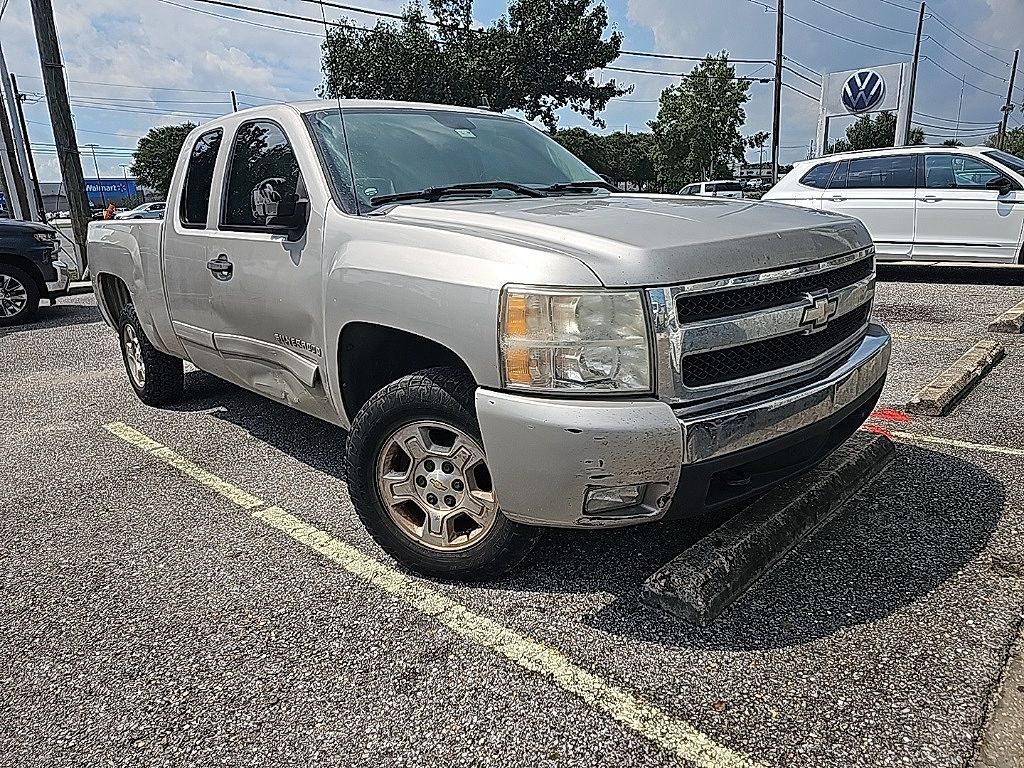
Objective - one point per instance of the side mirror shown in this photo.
(292, 217)
(1001, 183)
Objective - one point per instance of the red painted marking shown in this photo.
(878, 431)
(890, 414)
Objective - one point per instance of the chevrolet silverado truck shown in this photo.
(509, 343)
(30, 269)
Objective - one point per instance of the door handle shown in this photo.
(930, 199)
(837, 199)
(221, 268)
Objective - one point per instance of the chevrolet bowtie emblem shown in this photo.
(822, 309)
(438, 485)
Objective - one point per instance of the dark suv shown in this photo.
(30, 269)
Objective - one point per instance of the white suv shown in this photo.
(722, 188)
(921, 203)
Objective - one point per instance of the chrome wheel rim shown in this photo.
(133, 356)
(432, 479)
(13, 296)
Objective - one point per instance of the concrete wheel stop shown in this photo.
(703, 581)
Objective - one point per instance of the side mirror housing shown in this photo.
(292, 218)
(1001, 183)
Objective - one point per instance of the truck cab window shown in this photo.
(263, 173)
(195, 198)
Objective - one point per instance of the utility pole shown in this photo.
(60, 120)
(777, 112)
(1008, 107)
(18, 140)
(19, 100)
(234, 102)
(905, 139)
(18, 197)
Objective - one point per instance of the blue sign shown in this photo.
(3, 202)
(111, 190)
(863, 91)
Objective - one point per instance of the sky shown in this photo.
(138, 64)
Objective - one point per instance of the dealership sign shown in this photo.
(861, 92)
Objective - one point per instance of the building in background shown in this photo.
(100, 191)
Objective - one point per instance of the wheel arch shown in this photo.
(113, 296)
(371, 356)
(27, 266)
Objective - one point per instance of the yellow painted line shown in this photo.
(654, 724)
(227, 490)
(911, 437)
(133, 436)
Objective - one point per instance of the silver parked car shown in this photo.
(510, 344)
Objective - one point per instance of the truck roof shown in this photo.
(320, 104)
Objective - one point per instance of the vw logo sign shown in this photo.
(863, 91)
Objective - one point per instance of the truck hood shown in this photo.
(16, 227)
(638, 240)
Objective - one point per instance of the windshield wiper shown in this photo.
(579, 186)
(433, 194)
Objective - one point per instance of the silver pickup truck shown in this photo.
(509, 343)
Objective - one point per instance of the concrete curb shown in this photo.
(709, 576)
(946, 389)
(1011, 321)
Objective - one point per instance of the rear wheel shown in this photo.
(157, 379)
(419, 480)
(19, 295)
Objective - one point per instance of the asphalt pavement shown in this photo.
(149, 618)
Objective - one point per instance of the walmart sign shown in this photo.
(111, 190)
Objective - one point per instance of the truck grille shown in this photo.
(705, 306)
(761, 357)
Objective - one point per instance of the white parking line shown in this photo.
(674, 735)
(912, 437)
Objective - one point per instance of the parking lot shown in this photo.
(191, 587)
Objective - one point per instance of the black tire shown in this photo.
(27, 290)
(164, 375)
(441, 395)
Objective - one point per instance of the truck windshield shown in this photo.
(403, 151)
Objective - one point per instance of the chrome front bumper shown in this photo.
(59, 285)
(545, 454)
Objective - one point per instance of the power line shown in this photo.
(125, 85)
(687, 74)
(802, 93)
(847, 39)
(953, 119)
(692, 58)
(955, 76)
(897, 5)
(146, 101)
(965, 61)
(812, 81)
(886, 27)
(804, 66)
(242, 21)
(970, 40)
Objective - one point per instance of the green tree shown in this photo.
(874, 133)
(952, 143)
(697, 132)
(156, 155)
(757, 141)
(1014, 141)
(538, 58)
(586, 145)
(622, 157)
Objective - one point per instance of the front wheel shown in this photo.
(157, 379)
(419, 481)
(19, 295)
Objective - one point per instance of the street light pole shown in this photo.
(780, 15)
(96, 165)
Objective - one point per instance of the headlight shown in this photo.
(593, 341)
(45, 237)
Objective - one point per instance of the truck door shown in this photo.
(267, 293)
(189, 225)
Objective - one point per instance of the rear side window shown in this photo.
(195, 197)
(839, 177)
(728, 186)
(263, 172)
(887, 172)
(818, 176)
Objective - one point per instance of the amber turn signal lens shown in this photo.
(515, 315)
(517, 366)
